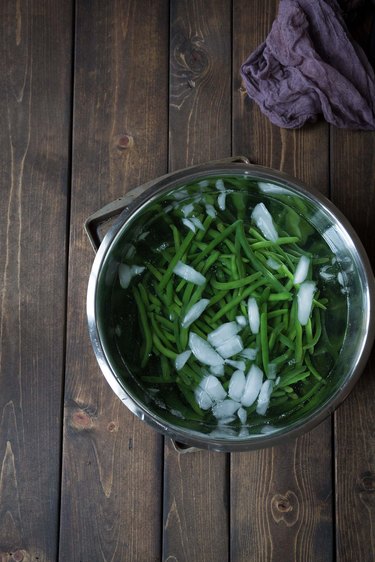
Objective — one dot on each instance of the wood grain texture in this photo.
(195, 485)
(111, 493)
(200, 81)
(35, 66)
(196, 504)
(353, 191)
(281, 498)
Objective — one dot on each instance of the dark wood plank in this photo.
(35, 66)
(281, 498)
(353, 191)
(281, 501)
(200, 63)
(195, 485)
(111, 502)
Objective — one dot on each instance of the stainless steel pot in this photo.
(119, 216)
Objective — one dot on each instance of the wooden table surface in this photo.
(96, 98)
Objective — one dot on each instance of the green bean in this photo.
(279, 242)
(288, 389)
(165, 368)
(292, 317)
(256, 234)
(217, 298)
(169, 293)
(206, 225)
(165, 322)
(309, 336)
(196, 295)
(249, 291)
(239, 203)
(230, 246)
(257, 264)
(258, 358)
(184, 337)
(298, 378)
(319, 304)
(286, 341)
(301, 400)
(205, 329)
(219, 238)
(198, 246)
(280, 255)
(312, 369)
(177, 338)
(274, 334)
(190, 399)
(154, 300)
(176, 298)
(243, 308)
(178, 255)
(298, 252)
(284, 398)
(194, 371)
(145, 328)
(298, 342)
(176, 236)
(289, 285)
(231, 315)
(318, 331)
(237, 250)
(184, 379)
(278, 393)
(277, 313)
(210, 262)
(237, 283)
(154, 271)
(164, 336)
(276, 297)
(225, 266)
(143, 294)
(233, 267)
(164, 350)
(264, 340)
(264, 296)
(289, 274)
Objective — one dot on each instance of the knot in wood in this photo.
(18, 555)
(125, 141)
(81, 420)
(112, 426)
(196, 59)
(366, 489)
(285, 507)
(189, 56)
(367, 482)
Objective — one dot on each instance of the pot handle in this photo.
(182, 449)
(98, 223)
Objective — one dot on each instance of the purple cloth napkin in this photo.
(309, 66)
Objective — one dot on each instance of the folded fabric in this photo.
(310, 66)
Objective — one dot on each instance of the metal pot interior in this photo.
(116, 335)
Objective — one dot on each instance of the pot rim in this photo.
(143, 195)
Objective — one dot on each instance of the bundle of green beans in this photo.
(234, 257)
